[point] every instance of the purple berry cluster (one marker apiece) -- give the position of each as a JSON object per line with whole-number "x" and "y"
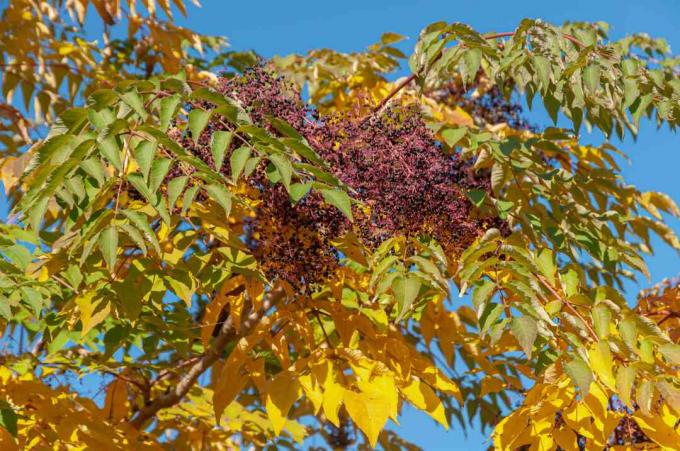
{"x": 407, "y": 184}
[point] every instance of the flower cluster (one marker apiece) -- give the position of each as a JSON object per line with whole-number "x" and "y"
{"x": 406, "y": 183}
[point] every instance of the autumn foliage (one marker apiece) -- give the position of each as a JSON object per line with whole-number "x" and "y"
{"x": 231, "y": 263}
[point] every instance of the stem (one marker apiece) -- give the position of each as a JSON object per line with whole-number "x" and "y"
{"x": 569, "y": 305}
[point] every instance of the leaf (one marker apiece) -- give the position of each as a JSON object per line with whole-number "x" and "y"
{"x": 175, "y": 188}
{"x": 643, "y": 396}
{"x": 111, "y": 150}
{"x": 424, "y": 398}
{"x": 139, "y": 220}
{"x": 8, "y": 418}
{"x": 405, "y": 291}
{"x": 219, "y": 144}
{"x": 453, "y": 135}
{"x": 116, "y": 402}
{"x": 601, "y": 362}
{"x": 543, "y": 70}
{"x": 369, "y": 411}
{"x": 591, "y": 78}
{"x": 525, "y": 330}
{"x": 580, "y": 373}
{"x": 601, "y": 320}
{"x": 168, "y": 109}
{"x": 625, "y": 378}
{"x": 159, "y": 169}
{"x": 284, "y": 168}
{"x": 338, "y": 199}
{"x": 198, "y": 119}
{"x": 108, "y": 244}
{"x": 144, "y": 154}
{"x": 221, "y": 195}
{"x": 92, "y": 311}
{"x": 671, "y": 352}
{"x": 545, "y": 262}
{"x": 188, "y": 197}
{"x": 238, "y": 161}
{"x": 299, "y": 190}
{"x": 281, "y": 393}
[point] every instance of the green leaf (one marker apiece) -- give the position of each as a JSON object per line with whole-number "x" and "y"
{"x": 8, "y": 418}
{"x": 338, "y": 199}
{"x": 108, "y": 244}
{"x": 591, "y": 78}
{"x": 580, "y": 373}
{"x": 188, "y": 198}
{"x": 220, "y": 194}
{"x": 159, "y": 169}
{"x": 405, "y": 291}
{"x": 111, "y": 150}
{"x": 543, "y": 70}
{"x": 283, "y": 166}
{"x": 137, "y": 181}
{"x": 134, "y": 101}
{"x": 525, "y": 330}
{"x": 453, "y": 135}
{"x": 472, "y": 59}
{"x": 198, "y": 119}
{"x": 144, "y": 153}
{"x": 139, "y": 220}
{"x": 168, "y": 109}
{"x": 175, "y": 188}
{"x": 477, "y": 196}
{"x": 135, "y": 236}
{"x": 238, "y": 161}
{"x": 299, "y": 190}
{"x": 219, "y": 144}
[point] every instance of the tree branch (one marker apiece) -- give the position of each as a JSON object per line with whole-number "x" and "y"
{"x": 412, "y": 77}
{"x": 226, "y": 335}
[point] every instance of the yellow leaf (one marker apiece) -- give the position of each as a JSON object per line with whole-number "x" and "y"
{"x": 332, "y": 391}
{"x": 425, "y": 399}
{"x": 91, "y": 311}
{"x": 601, "y": 362}
{"x": 369, "y": 411}
{"x": 312, "y": 391}
{"x": 660, "y": 428}
{"x": 116, "y": 402}
{"x": 213, "y": 310}
{"x": 384, "y": 386}
{"x": 282, "y": 392}
{"x": 491, "y": 384}
{"x": 226, "y": 393}
{"x": 565, "y": 438}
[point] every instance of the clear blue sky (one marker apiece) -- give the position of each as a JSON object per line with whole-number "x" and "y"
{"x": 280, "y": 27}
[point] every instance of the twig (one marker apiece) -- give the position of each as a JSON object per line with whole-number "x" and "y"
{"x": 569, "y": 305}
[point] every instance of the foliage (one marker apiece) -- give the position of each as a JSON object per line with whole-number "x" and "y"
{"x": 240, "y": 268}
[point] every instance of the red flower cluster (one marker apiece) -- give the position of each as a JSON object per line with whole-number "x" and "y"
{"x": 409, "y": 185}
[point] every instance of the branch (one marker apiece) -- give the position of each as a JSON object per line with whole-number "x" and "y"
{"x": 569, "y": 305}
{"x": 226, "y": 335}
{"x": 412, "y": 77}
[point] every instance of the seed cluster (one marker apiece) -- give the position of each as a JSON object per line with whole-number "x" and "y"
{"x": 407, "y": 184}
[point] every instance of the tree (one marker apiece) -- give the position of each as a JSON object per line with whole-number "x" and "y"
{"x": 240, "y": 268}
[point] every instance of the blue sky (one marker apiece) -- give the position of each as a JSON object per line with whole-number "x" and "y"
{"x": 279, "y": 27}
